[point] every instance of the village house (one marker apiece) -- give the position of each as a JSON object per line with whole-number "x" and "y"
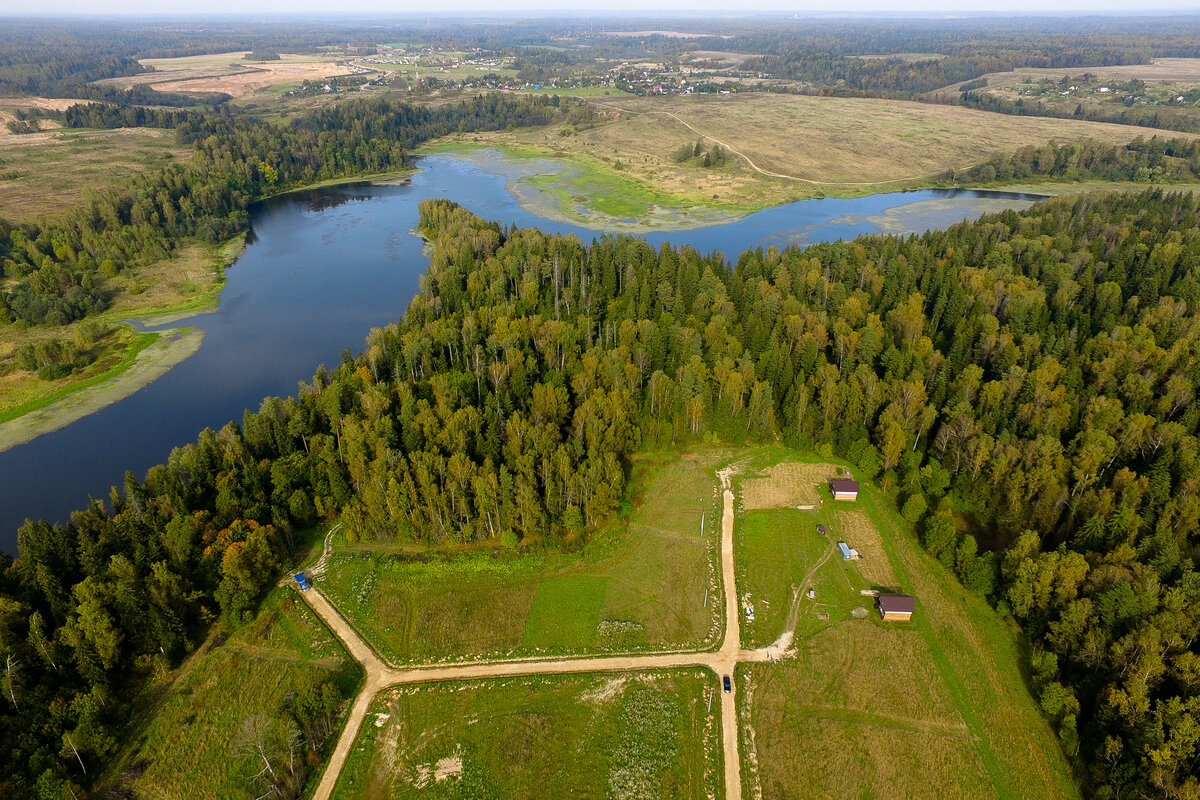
{"x": 896, "y": 607}
{"x": 843, "y": 489}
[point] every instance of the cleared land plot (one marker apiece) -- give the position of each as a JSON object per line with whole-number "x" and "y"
{"x": 631, "y": 735}
{"x": 855, "y": 528}
{"x": 260, "y": 77}
{"x": 774, "y": 551}
{"x": 785, "y": 485}
{"x": 935, "y": 707}
{"x": 186, "y": 743}
{"x": 827, "y": 145}
{"x": 44, "y": 174}
{"x": 638, "y": 586}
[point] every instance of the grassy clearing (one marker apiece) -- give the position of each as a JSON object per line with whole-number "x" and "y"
{"x": 630, "y": 735}
{"x": 638, "y": 586}
{"x": 935, "y": 707}
{"x": 185, "y": 743}
{"x": 44, "y": 174}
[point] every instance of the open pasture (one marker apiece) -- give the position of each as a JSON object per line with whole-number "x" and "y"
{"x": 46, "y": 173}
{"x": 627, "y": 735}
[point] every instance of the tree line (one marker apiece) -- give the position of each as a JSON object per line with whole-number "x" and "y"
{"x": 1033, "y": 373}
{"x": 1149, "y": 116}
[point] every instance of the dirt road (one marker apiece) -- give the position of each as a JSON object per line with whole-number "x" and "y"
{"x": 379, "y": 676}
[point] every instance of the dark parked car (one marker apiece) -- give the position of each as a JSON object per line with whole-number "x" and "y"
{"x": 728, "y": 685}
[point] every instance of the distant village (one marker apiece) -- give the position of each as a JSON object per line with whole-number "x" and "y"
{"x": 430, "y": 68}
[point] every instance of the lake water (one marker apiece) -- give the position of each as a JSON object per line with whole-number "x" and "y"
{"x": 322, "y": 267}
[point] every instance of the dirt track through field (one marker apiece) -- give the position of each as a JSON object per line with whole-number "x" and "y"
{"x": 750, "y": 162}
{"x": 380, "y": 676}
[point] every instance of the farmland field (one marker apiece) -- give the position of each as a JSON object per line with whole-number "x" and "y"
{"x": 640, "y": 585}
{"x": 644, "y": 735}
{"x": 935, "y": 707}
{"x": 230, "y": 73}
{"x": 187, "y": 743}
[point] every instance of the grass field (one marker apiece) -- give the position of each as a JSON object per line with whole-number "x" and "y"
{"x": 185, "y": 743}
{"x": 935, "y": 707}
{"x": 631, "y": 735}
{"x": 640, "y": 585}
{"x": 44, "y": 174}
{"x": 827, "y": 146}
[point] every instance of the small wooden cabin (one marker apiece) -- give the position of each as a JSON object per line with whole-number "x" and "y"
{"x": 896, "y": 607}
{"x": 843, "y": 489}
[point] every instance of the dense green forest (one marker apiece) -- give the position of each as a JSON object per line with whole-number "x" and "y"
{"x": 1023, "y": 384}
{"x": 1153, "y": 160}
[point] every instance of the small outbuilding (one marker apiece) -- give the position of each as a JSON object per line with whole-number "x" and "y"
{"x": 843, "y": 489}
{"x": 821, "y": 529}
{"x": 848, "y": 552}
{"x": 896, "y": 607}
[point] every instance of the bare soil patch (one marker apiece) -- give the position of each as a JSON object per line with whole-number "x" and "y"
{"x": 258, "y": 77}
{"x": 785, "y": 485}
{"x": 734, "y": 59}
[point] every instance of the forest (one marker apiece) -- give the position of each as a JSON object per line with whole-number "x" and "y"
{"x": 1024, "y": 385}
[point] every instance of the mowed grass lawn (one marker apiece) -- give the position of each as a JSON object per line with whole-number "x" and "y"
{"x": 627, "y": 735}
{"x": 934, "y": 708}
{"x": 639, "y": 585}
{"x": 186, "y": 744}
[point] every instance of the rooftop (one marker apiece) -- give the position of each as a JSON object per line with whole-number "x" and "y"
{"x": 897, "y": 604}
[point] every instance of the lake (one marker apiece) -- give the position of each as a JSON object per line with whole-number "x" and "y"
{"x": 324, "y": 266}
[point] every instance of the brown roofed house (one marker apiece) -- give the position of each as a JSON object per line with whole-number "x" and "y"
{"x": 897, "y": 607}
{"x": 843, "y": 489}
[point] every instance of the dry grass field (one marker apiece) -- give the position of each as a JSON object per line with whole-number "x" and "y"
{"x": 624, "y": 737}
{"x": 44, "y": 174}
{"x": 785, "y": 485}
{"x": 824, "y": 145}
{"x": 856, "y": 528}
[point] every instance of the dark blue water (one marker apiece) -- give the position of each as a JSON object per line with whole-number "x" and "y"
{"x": 321, "y": 269}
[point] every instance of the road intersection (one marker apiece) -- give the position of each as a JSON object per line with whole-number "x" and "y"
{"x": 722, "y": 662}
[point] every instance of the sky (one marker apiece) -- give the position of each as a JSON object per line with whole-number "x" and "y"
{"x": 957, "y": 8}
